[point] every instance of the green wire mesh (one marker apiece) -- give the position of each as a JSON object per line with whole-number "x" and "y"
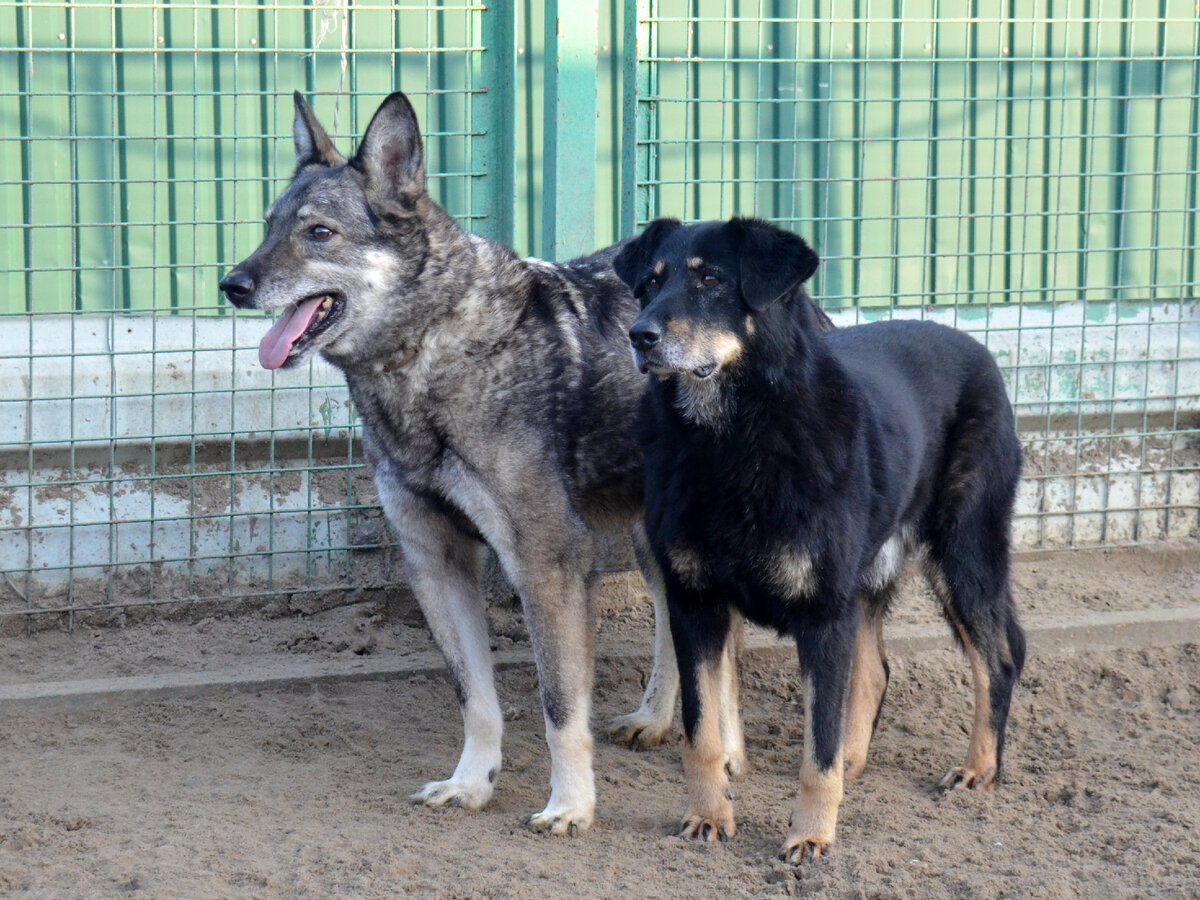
{"x": 1026, "y": 171}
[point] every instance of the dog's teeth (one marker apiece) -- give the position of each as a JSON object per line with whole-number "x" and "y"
{"x": 328, "y": 303}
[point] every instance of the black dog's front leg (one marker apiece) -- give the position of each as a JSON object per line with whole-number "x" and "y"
{"x": 825, "y": 649}
{"x": 700, "y": 624}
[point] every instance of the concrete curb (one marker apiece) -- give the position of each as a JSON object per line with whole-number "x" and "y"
{"x": 1098, "y": 631}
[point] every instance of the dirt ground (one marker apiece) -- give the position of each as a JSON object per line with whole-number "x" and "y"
{"x": 303, "y": 792}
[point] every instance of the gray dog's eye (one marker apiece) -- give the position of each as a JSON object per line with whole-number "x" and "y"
{"x": 320, "y": 233}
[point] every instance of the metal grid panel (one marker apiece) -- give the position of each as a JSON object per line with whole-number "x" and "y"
{"x": 148, "y": 459}
{"x": 1026, "y": 171}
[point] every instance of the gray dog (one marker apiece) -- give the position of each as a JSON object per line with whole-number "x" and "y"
{"x": 498, "y": 405}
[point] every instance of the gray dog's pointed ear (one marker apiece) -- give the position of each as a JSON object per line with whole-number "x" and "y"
{"x": 391, "y": 155}
{"x": 635, "y": 257}
{"x": 771, "y": 261}
{"x": 313, "y": 145}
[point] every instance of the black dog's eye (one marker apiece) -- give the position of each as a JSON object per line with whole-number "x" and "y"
{"x": 653, "y": 283}
{"x": 708, "y": 279}
{"x": 320, "y": 233}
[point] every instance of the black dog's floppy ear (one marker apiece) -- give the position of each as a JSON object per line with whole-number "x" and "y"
{"x": 391, "y": 154}
{"x": 771, "y": 261}
{"x": 635, "y": 257}
{"x": 313, "y": 145}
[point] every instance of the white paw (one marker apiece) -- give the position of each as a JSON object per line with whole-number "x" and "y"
{"x": 453, "y": 792}
{"x": 553, "y": 820}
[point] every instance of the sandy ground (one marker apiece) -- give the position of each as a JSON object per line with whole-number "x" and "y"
{"x": 303, "y": 792}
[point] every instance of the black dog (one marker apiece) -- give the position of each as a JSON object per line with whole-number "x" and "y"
{"x": 789, "y": 473}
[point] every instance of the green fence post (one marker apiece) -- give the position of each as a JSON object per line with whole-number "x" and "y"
{"x": 637, "y": 123}
{"x": 569, "y": 132}
{"x": 493, "y": 203}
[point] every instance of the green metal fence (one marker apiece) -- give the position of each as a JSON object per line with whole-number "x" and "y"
{"x": 1027, "y": 171}
{"x": 147, "y": 459}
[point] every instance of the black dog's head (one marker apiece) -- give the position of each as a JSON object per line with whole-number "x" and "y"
{"x": 704, "y": 289}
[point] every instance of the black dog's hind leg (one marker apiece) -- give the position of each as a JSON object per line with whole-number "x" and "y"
{"x": 826, "y": 650}
{"x": 700, "y": 626}
{"x": 969, "y": 572}
{"x": 868, "y": 681}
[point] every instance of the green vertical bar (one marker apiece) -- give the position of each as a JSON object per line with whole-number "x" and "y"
{"x": 24, "y": 104}
{"x": 495, "y": 105}
{"x": 1084, "y": 167}
{"x": 897, "y": 103}
{"x": 627, "y": 208}
{"x": 172, "y": 161}
{"x": 1009, "y": 158}
{"x": 122, "y": 141}
{"x": 218, "y": 130}
{"x": 971, "y": 169}
{"x": 569, "y": 129}
{"x": 1120, "y": 158}
{"x": 637, "y": 160}
{"x": 1191, "y": 234}
{"x": 931, "y": 208}
{"x": 1047, "y": 112}
{"x": 783, "y": 119}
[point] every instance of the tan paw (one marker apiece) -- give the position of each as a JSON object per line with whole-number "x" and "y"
{"x": 701, "y": 827}
{"x": 640, "y": 730}
{"x": 962, "y": 778}
{"x": 804, "y": 848}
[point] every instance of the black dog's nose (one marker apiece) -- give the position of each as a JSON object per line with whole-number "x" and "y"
{"x": 644, "y": 335}
{"x": 238, "y": 287}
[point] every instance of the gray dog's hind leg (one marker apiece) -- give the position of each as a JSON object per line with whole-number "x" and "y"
{"x": 649, "y": 724}
{"x": 443, "y": 567}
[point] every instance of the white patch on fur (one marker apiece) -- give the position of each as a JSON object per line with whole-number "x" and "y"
{"x": 888, "y": 562}
{"x": 790, "y": 572}
{"x": 701, "y": 400}
{"x": 688, "y": 565}
{"x": 695, "y": 263}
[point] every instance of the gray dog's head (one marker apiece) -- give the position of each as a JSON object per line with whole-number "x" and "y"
{"x": 330, "y": 259}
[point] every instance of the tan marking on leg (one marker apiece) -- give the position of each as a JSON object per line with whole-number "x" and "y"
{"x": 979, "y": 771}
{"x": 709, "y": 813}
{"x": 732, "y": 743}
{"x": 813, "y": 822}
{"x": 867, "y": 683}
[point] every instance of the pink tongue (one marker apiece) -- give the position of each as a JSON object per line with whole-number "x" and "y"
{"x": 277, "y": 343}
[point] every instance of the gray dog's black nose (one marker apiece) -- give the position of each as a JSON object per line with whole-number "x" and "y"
{"x": 238, "y": 287}
{"x": 644, "y": 335}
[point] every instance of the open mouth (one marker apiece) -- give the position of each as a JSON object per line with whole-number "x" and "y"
{"x": 297, "y": 327}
